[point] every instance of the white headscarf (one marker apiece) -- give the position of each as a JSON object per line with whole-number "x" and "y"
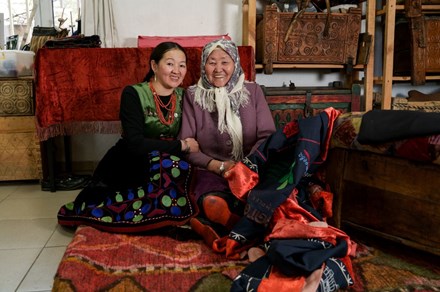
{"x": 227, "y": 100}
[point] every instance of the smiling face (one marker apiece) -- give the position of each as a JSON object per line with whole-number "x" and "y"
{"x": 170, "y": 71}
{"x": 219, "y": 67}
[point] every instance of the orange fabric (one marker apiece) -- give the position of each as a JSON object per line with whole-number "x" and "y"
{"x": 241, "y": 180}
{"x": 231, "y": 248}
{"x": 292, "y": 221}
{"x": 323, "y": 201}
{"x": 277, "y": 281}
{"x": 333, "y": 114}
{"x": 291, "y": 210}
{"x": 206, "y": 232}
{"x": 288, "y": 229}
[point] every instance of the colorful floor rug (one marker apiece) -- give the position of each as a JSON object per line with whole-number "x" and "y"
{"x": 394, "y": 270}
{"x": 176, "y": 260}
{"x": 100, "y": 261}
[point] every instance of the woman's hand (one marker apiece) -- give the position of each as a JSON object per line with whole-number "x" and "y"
{"x": 189, "y": 145}
{"x": 228, "y": 165}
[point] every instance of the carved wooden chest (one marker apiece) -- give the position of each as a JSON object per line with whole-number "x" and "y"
{"x": 417, "y": 48}
{"x": 20, "y": 157}
{"x": 311, "y": 38}
{"x": 289, "y": 103}
{"x": 16, "y": 96}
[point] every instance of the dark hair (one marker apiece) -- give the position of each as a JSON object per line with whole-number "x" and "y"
{"x": 157, "y": 55}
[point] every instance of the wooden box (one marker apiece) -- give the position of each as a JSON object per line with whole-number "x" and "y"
{"x": 20, "y": 157}
{"x": 289, "y": 103}
{"x": 16, "y": 96}
{"x": 307, "y": 41}
{"x": 390, "y": 197}
{"x": 417, "y": 48}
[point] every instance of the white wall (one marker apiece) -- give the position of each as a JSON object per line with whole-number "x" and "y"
{"x": 2, "y": 32}
{"x": 177, "y": 18}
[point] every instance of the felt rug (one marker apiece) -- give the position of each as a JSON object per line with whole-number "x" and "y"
{"x": 383, "y": 265}
{"x": 170, "y": 261}
{"x": 176, "y": 260}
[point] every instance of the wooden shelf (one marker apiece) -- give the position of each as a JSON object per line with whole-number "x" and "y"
{"x": 379, "y": 79}
{"x": 425, "y": 8}
{"x": 249, "y": 10}
{"x": 386, "y": 80}
{"x": 309, "y": 66}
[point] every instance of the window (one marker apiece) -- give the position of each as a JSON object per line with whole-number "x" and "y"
{"x": 67, "y": 14}
{"x": 16, "y": 15}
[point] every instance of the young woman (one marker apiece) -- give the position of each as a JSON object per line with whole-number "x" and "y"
{"x": 127, "y": 189}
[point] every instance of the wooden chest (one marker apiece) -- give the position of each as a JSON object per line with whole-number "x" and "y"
{"x": 390, "y": 197}
{"x": 289, "y": 103}
{"x": 16, "y": 96}
{"x": 309, "y": 40}
{"x": 417, "y": 47}
{"x": 20, "y": 157}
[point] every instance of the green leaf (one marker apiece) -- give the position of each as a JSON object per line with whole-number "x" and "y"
{"x": 181, "y": 201}
{"x": 107, "y": 219}
{"x": 175, "y": 158}
{"x": 69, "y": 206}
{"x": 119, "y": 198}
{"x": 166, "y": 201}
{"x": 283, "y": 185}
{"x": 138, "y": 218}
{"x": 175, "y": 172}
{"x": 137, "y": 205}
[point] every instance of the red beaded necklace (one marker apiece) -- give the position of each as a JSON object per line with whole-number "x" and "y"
{"x": 170, "y": 106}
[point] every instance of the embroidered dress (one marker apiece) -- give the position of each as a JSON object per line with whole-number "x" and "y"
{"x": 141, "y": 187}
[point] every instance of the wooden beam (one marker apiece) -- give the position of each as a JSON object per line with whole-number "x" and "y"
{"x": 388, "y": 52}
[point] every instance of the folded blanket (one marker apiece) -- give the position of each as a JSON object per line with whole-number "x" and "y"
{"x": 379, "y": 126}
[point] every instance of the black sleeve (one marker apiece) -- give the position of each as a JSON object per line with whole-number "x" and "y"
{"x": 134, "y": 129}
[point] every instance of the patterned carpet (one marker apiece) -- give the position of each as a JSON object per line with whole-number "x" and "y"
{"x": 100, "y": 261}
{"x": 379, "y": 271}
{"x": 177, "y": 261}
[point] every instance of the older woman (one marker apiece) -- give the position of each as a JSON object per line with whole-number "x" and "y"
{"x": 230, "y": 118}
{"x": 283, "y": 228}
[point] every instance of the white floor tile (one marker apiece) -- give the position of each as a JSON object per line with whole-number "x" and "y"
{"x": 41, "y": 275}
{"x": 33, "y": 233}
{"x": 34, "y": 190}
{"x": 31, "y": 242}
{"x": 33, "y": 207}
{"x": 14, "y": 264}
{"x": 61, "y": 237}
{"x": 6, "y": 189}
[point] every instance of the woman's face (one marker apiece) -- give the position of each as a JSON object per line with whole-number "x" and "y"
{"x": 171, "y": 69}
{"x": 219, "y": 67}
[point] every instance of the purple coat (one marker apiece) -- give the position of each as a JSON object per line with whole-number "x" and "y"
{"x": 200, "y": 124}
